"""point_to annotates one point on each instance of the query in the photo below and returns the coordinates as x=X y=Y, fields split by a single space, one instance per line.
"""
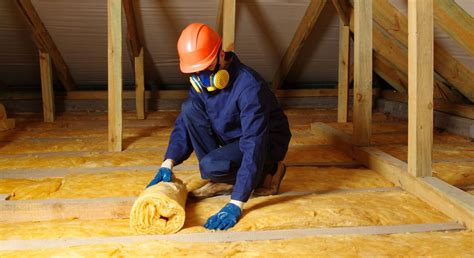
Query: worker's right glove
x=164 y=174
x=226 y=218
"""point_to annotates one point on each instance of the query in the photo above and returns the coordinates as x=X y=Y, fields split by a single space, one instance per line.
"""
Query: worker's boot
x=271 y=183
x=211 y=189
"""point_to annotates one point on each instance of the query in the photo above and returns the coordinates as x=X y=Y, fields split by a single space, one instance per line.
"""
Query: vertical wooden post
x=140 y=86
x=343 y=73
x=114 y=21
x=228 y=34
x=47 y=86
x=420 y=89
x=362 y=117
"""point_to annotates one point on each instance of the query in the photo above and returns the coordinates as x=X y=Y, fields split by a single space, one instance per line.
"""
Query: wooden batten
x=304 y=28
x=362 y=117
x=114 y=18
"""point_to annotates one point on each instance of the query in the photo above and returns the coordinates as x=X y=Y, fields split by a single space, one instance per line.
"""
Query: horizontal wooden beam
x=45 y=43
x=167 y=94
x=228 y=236
x=466 y=111
x=446 y=198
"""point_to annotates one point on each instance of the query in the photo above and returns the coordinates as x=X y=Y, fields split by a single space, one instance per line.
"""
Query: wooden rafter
x=389 y=73
x=219 y=15
x=228 y=25
x=391 y=23
x=343 y=9
x=304 y=28
x=114 y=24
x=132 y=32
x=456 y=22
x=420 y=87
x=45 y=43
x=137 y=51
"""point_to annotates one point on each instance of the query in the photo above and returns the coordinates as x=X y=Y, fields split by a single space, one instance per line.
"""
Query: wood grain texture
x=362 y=107
x=420 y=87
x=114 y=18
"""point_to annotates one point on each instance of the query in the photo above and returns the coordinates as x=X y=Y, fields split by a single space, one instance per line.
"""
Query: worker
x=232 y=121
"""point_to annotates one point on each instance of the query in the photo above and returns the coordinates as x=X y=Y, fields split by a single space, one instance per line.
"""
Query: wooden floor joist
x=100 y=208
x=448 y=199
x=17 y=244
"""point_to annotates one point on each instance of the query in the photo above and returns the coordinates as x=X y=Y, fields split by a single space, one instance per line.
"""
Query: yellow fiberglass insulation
x=160 y=209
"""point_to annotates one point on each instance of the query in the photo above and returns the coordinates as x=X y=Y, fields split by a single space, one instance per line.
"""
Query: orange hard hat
x=198 y=46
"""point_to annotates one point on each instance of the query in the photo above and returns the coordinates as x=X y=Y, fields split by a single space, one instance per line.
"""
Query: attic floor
x=73 y=151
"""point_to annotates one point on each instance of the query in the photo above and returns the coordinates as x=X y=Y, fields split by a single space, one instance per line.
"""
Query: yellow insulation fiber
x=160 y=209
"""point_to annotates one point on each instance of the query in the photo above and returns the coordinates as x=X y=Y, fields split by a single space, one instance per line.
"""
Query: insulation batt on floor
x=437 y=244
x=263 y=213
x=311 y=196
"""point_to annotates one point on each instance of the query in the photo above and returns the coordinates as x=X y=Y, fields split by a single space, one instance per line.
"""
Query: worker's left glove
x=226 y=218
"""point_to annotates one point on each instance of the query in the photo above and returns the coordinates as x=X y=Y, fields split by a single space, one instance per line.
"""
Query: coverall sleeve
x=254 y=117
x=179 y=145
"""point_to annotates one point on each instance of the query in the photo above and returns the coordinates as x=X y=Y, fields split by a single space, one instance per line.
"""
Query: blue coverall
x=238 y=133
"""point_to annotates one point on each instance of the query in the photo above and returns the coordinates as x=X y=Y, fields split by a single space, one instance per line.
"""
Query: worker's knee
x=216 y=169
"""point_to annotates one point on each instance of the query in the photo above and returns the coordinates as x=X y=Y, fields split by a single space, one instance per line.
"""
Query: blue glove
x=226 y=218
x=163 y=175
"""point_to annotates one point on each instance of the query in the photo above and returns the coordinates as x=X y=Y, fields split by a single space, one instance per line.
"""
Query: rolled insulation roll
x=160 y=209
